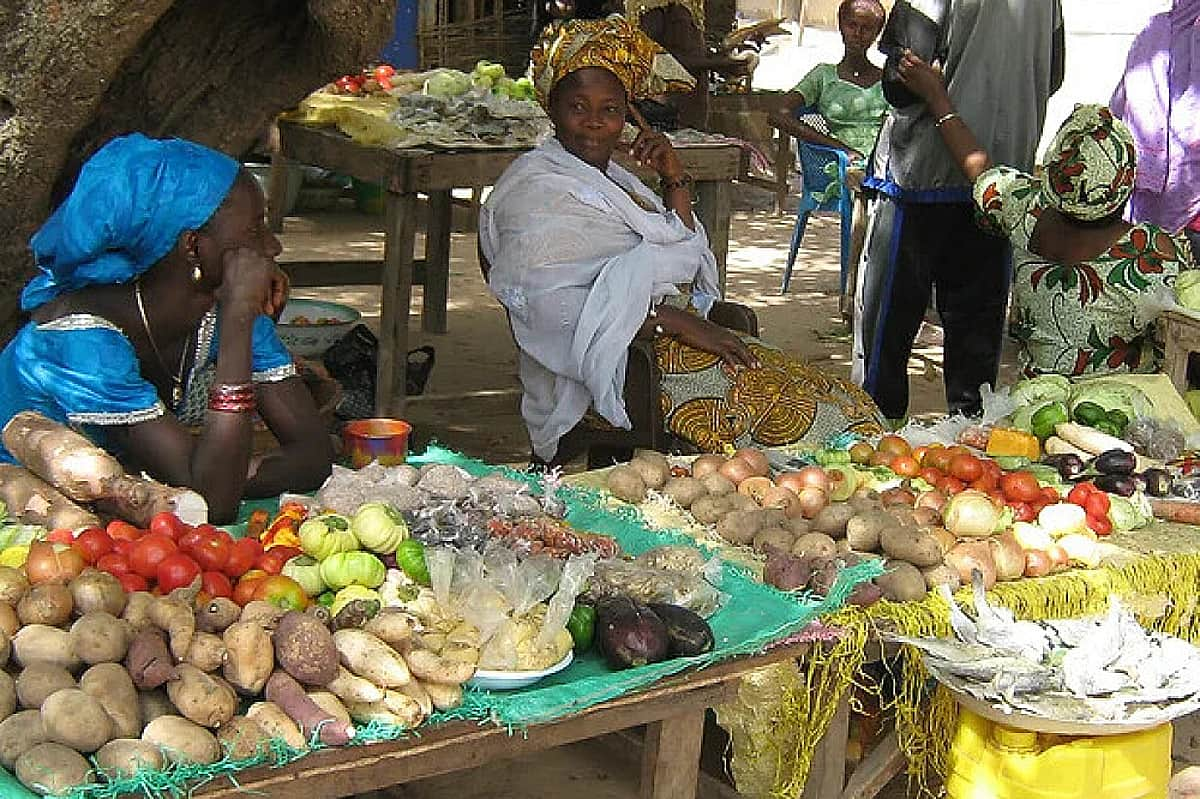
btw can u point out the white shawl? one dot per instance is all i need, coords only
(578, 264)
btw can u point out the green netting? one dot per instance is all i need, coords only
(754, 615)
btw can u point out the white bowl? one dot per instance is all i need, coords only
(311, 341)
(511, 680)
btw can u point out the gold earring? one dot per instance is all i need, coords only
(197, 273)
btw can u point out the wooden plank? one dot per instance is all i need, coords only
(437, 260)
(277, 191)
(828, 772)
(313, 274)
(877, 770)
(671, 758)
(399, 216)
(714, 207)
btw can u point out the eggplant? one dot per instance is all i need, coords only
(1069, 465)
(1115, 461)
(1158, 482)
(630, 634)
(689, 633)
(1120, 484)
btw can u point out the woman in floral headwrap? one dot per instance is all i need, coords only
(1085, 280)
(585, 258)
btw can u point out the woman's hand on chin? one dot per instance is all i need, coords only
(698, 332)
(653, 150)
(250, 283)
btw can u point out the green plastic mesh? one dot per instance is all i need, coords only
(753, 616)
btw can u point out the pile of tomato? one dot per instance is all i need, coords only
(1095, 503)
(172, 554)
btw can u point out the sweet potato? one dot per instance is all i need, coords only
(312, 720)
(392, 626)
(304, 649)
(124, 757)
(176, 618)
(444, 697)
(250, 657)
(53, 769)
(137, 610)
(217, 615)
(76, 719)
(19, 732)
(277, 724)
(38, 680)
(395, 708)
(112, 686)
(911, 545)
(416, 691)
(241, 737)
(148, 661)
(100, 637)
(329, 703)
(365, 655)
(40, 643)
(47, 603)
(203, 698)
(352, 688)
(786, 571)
(207, 651)
(182, 741)
(901, 582)
(430, 667)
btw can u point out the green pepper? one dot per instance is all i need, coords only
(1105, 426)
(831, 457)
(582, 627)
(1089, 413)
(410, 557)
(325, 600)
(1011, 463)
(1046, 418)
(1118, 419)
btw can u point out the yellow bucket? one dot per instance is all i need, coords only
(992, 761)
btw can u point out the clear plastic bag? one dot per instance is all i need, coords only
(620, 578)
(574, 580)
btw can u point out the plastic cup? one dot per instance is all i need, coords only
(382, 440)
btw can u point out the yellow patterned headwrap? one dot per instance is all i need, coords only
(642, 66)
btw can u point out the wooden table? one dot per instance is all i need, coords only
(404, 174)
(673, 711)
(1181, 337)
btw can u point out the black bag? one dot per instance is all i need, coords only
(352, 362)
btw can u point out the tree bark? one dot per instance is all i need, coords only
(79, 72)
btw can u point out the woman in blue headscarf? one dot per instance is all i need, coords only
(152, 311)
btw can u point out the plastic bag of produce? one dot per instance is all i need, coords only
(573, 581)
(620, 578)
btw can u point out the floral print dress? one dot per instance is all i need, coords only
(1084, 318)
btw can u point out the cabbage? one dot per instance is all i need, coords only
(447, 83)
(1022, 417)
(1124, 514)
(1187, 289)
(1111, 395)
(1041, 389)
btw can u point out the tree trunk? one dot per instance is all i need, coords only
(79, 72)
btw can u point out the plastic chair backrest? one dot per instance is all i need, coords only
(814, 160)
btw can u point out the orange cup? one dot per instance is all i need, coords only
(382, 440)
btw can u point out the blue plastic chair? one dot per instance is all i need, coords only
(813, 161)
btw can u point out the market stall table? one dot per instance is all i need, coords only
(673, 711)
(405, 173)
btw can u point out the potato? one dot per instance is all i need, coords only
(863, 529)
(815, 545)
(717, 485)
(941, 574)
(113, 687)
(710, 509)
(902, 582)
(799, 526)
(683, 491)
(206, 651)
(39, 643)
(250, 658)
(742, 502)
(38, 680)
(154, 703)
(137, 610)
(833, 518)
(203, 698)
(8, 695)
(918, 547)
(217, 615)
(47, 603)
(100, 637)
(96, 590)
(13, 586)
(52, 769)
(739, 526)
(304, 649)
(182, 741)
(124, 757)
(776, 537)
(18, 733)
(865, 594)
(76, 719)
(863, 504)
(262, 613)
(9, 623)
(242, 738)
(653, 467)
(626, 484)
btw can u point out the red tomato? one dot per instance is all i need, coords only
(950, 486)
(242, 556)
(931, 475)
(216, 584)
(998, 498)
(1079, 494)
(273, 559)
(939, 458)
(191, 539)
(384, 71)
(991, 467)
(114, 564)
(60, 536)
(212, 551)
(133, 582)
(967, 468)
(243, 592)
(176, 570)
(282, 592)
(986, 483)
(1021, 486)
(148, 552)
(1097, 505)
(93, 543)
(122, 547)
(168, 524)
(1050, 494)
(905, 466)
(122, 531)
(1022, 511)
(1100, 525)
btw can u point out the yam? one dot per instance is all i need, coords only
(100, 637)
(277, 724)
(365, 655)
(148, 661)
(121, 758)
(203, 698)
(182, 741)
(38, 680)
(207, 651)
(112, 686)
(9, 623)
(392, 626)
(262, 613)
(709, 509)
(18, 733)
(833, 518)
(941, 574)
(739, 526)
(430, 667)
(243, 738)
(403, 707)
(444, 697)
(54, 452)
(352, 688)
(8, 695)
(154, 703)
(818, 545)
(863, 530)
(176, 618)
(76, 719)
(250, 657)
(50, 769)
(137, 610)
(653, 467)
(777, 537)
(13, 585)
(34, 501)
(313, 721)
(38, 643)
(217, 615)
(46, 603)
(911, 545)
(683, 491)
(329, 703)
(97, 590)
(626, 484)
(304, 649)
(902, 582)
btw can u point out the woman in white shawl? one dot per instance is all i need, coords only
(586, 258)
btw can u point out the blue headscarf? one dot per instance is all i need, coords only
(132, 200)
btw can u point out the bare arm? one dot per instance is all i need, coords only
(785, 120)
(305, 455)
(960, 140)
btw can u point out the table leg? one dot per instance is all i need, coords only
(671, 758)
(400, 232)
(714, 203)
(437, 264)
(277, 191)
(827, 775)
